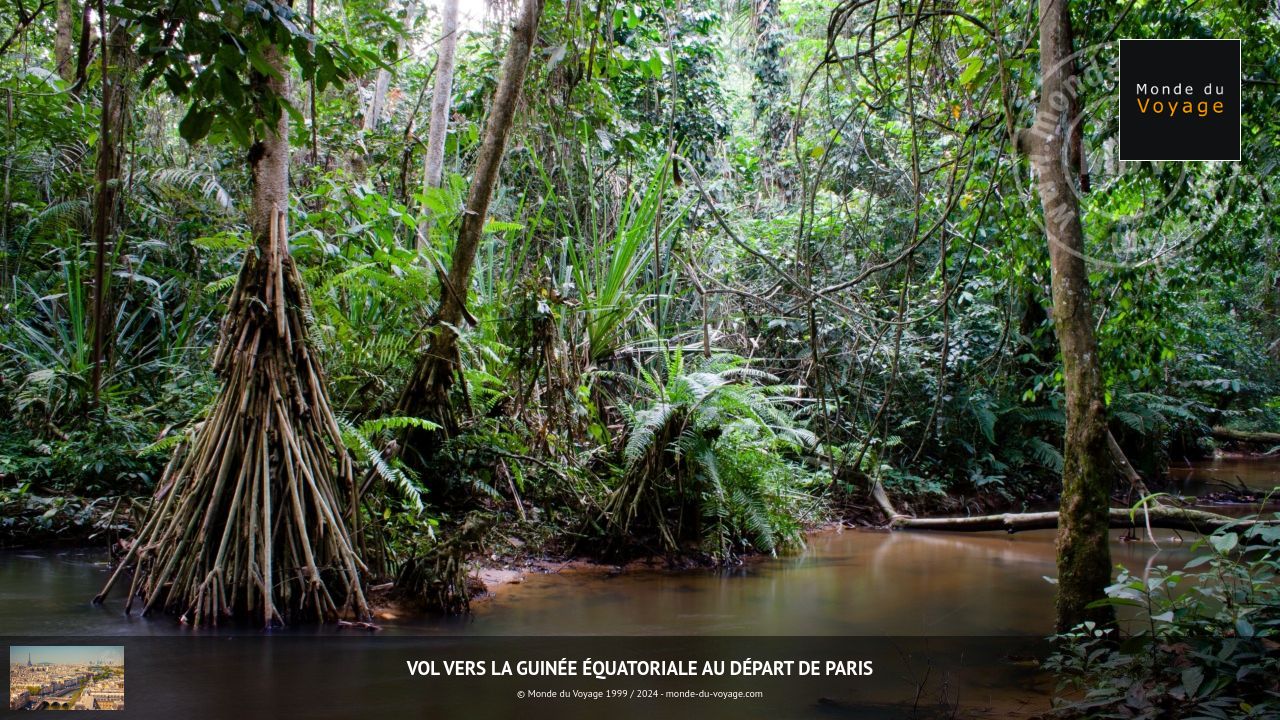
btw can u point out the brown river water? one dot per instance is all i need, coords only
(850, 583)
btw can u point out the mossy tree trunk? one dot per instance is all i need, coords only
(1084, 556)
(64, 25)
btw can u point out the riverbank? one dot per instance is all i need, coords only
(499, 577)
(869, 586)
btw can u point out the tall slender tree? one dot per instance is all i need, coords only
(442, 94)
(116, 56)
(427, 393)
(441, 102)
(1084, 557)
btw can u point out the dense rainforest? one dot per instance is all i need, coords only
(300, 300)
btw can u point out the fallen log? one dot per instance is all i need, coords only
(1243, 436)
(1168, 518)
(1150, 516)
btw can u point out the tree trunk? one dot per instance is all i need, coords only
(442, 95)
(84, 49)
(1084, 558)
(441, 100)
(1136, 485)
(248, 519)
(63, 27)
(116, 57)
(373, 111)
(269, 163)
(427, 393)
(1152, 515)
(382, 82)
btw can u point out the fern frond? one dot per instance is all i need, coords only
(1045, 454)
(361, 445)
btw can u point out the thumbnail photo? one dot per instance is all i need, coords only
(66, 677)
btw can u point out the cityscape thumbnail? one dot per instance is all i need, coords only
(66, 677)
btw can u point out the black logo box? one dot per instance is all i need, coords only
(1187, 68)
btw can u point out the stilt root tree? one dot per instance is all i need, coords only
(248, 518)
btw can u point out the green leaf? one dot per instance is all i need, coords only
(229, 56)
(1192, 679)
(1197, 561)
(229, 83)
(436, 199)
(1224, 543)
(494, 226)
(326, 70)
(175, 83)
(259, 63)
(972, 66)
(195, 125)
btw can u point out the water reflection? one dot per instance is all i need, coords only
(1223, 472)
(846, 583)
(843, 583)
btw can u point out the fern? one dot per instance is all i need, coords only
(1134, 421)
(985, 418)
(1026, 415)
(221, 285)
(369, 428)
(712, 435)
(1045, 454)
(188, 179)
(54, 218)
(361, 442)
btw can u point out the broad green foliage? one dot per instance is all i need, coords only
(156, 379)
(610, 277)
(216, 55)
(1202, 643)
(369, 291)
(707, 459)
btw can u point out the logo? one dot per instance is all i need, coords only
(1145, 210)
(1179, 100)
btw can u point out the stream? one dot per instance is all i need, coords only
(843, 583)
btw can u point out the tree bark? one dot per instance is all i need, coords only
(441, 101)
(442, 95)
(84, 49)
(269, 162)
(1084, 558)
(426, 394)
(63, 27)
(373, 111)
(116, 57)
